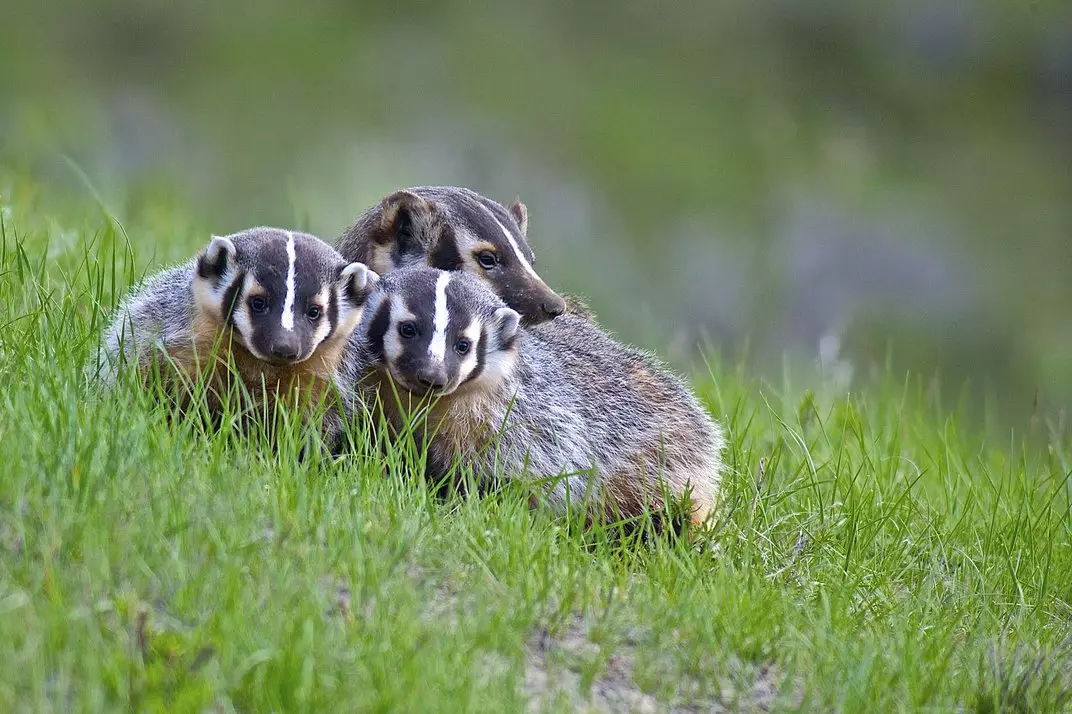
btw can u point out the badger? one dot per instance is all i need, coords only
(456, 229)
(607, 426)
(270, 308)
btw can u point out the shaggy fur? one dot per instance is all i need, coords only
(557, 399)
(272, 309)
(452, 228)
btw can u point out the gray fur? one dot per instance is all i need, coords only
(177, 319)
(156, 313)
(448, 227)
(568, 399)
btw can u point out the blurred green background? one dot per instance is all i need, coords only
(815, 183)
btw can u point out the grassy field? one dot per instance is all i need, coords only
(872, 555)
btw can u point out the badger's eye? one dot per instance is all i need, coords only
(463, 346)
(313, 313)
(408, 330)
(258, 304)
(487, 259)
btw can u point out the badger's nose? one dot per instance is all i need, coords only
(553, 307)
(286, 349)
(432, 380)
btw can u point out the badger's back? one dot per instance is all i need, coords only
(155, 317)
(644, 427)
(582, 406)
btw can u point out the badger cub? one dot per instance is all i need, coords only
(453, 228)
(558, 399)
(273, 308)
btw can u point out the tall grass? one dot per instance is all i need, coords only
(871, 553)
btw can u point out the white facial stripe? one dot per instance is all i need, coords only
(468, 362)
(347, 316)
(517, 249)
(288, 305)
(498, 367)
(243, 322)
(465, 240)
(323, 325)
(392, 343)
(209, 296)
(211, 299)
(437, 348)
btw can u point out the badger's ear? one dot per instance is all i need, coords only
(521, 215)
(404, 216)
(217, 258)
(356, 281)
(505, 323)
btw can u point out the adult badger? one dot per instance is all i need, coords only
(455, 229)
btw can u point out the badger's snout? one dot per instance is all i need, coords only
(553, 306)
(434, 379)
(285, 348)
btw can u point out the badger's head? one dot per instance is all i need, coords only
(283, 294)
(456, 229)
(436, 332)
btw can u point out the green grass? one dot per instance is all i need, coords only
(872, 555)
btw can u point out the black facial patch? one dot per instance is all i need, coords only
(418, 296)
(445, 255)
(414, 355)
(381, 323)
(232, 296)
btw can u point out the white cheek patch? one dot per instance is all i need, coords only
(347, 316)
(323, 325)
(392, 343)
(468, 363)
(498, 366)
(347, 321)
(287, 321)
(517, 249)
(467, 243)
(437, 348)
(209, 298)
(243, 321)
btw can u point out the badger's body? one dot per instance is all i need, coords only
(561, 399)
(266, 310)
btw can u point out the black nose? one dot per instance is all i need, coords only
(432, 381)
(286, 349)
(553, 308)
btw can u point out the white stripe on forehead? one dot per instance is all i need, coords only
(392, 344)
(468, 363)
(288, 305)
(437, 348)
(513, 244)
